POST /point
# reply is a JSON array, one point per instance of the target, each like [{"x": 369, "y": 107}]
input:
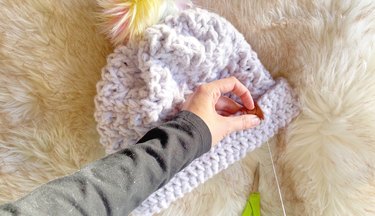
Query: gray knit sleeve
[{"x": 118, "y": 183}]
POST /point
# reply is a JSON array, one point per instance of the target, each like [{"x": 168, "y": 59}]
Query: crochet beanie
[{"x": 144, "y": 83}]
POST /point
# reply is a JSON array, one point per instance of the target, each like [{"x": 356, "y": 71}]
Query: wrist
[{"x": 200, "y": 126}]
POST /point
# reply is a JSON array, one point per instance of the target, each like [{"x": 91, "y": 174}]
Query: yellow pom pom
[{"x": 124, "y": 20}]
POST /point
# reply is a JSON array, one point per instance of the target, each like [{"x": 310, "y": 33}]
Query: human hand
[{"x": 214, "y": 109}]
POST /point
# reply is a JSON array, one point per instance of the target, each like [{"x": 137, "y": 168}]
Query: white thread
[{"x": 277, "y": 180}]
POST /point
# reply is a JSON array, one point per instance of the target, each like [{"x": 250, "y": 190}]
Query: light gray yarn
[{"x": 144, "y": 82}]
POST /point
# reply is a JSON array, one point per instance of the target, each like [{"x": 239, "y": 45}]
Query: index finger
[{"x": 232, "y": 84}]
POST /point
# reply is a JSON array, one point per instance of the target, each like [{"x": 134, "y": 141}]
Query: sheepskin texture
[
  {"x": 145, "y": 82},
  {"x": 50, "y": 61}
]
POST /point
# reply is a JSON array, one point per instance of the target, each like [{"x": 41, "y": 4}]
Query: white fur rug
[{"x": 50, "y": 60}]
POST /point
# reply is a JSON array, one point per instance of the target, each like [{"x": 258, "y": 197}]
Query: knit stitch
[{"x": 144, "y": 83}]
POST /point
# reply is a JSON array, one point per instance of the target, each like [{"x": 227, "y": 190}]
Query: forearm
[{"x": 118, "y": 183}]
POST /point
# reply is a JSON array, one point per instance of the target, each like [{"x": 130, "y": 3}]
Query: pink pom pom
[{"x": 124, "y": 20}]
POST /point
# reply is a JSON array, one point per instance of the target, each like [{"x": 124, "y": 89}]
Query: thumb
[{"x": 242, "y": 122}]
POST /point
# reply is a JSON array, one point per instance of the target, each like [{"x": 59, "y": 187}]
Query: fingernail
[{"x": 255, "y": 120}]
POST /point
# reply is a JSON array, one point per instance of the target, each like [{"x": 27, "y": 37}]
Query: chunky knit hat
[{"x": 145, "y": 81}]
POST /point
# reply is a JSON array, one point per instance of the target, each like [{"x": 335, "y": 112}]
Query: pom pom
[{"x": 124, "y": 20}]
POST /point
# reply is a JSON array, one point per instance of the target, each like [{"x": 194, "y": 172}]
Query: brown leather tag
[{"x": 256, "y": 111}]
